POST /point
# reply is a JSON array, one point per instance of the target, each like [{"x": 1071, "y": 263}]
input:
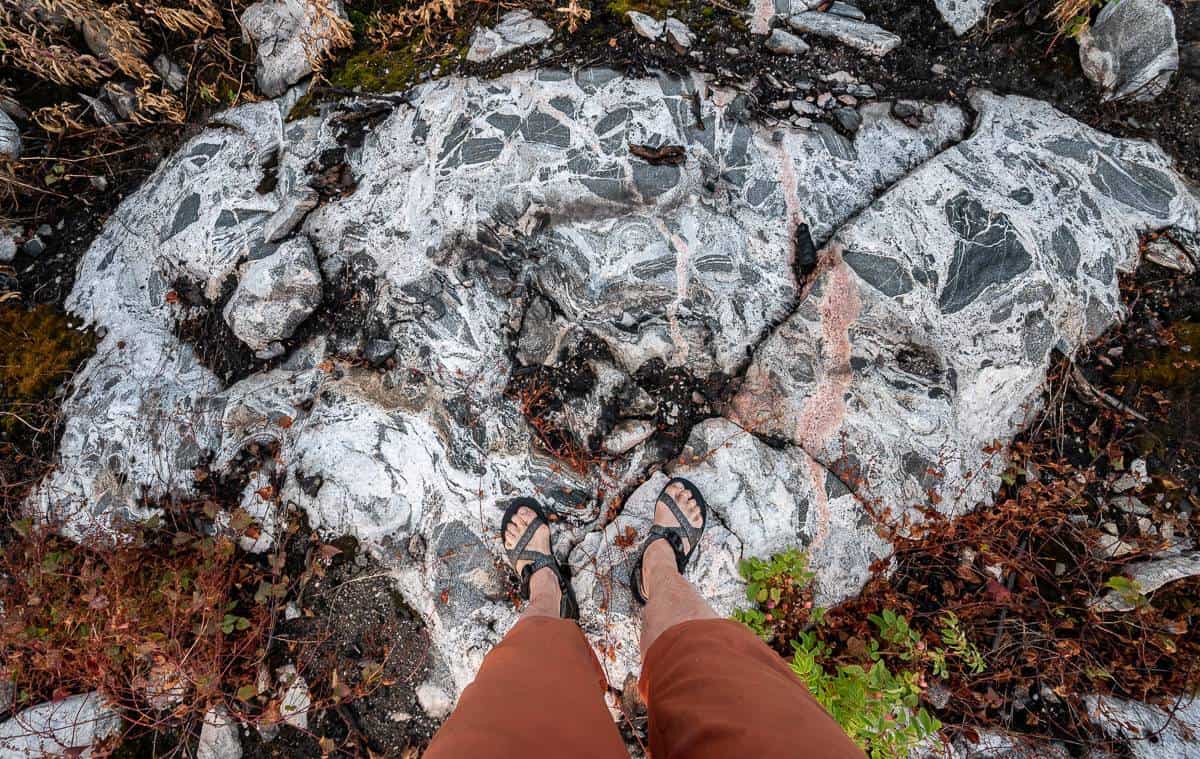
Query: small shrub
[{"x": 779, "y": 589}]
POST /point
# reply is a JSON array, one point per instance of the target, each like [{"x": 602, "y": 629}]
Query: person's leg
[
  {"x": 714, "y": 689},
  {"x": 540, "y": 691}
]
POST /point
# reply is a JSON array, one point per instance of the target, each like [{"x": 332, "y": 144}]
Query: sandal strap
[
  {"x": 674, "y": 539},
  {"x": 685, "y": 528},
  {"x": 518, "y": 552}
]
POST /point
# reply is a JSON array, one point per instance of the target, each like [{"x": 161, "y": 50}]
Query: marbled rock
[
  {"x": 928, "y": 328},
  {"x": 860, "y": 35},
  {"x": 501, "y": 229},
  {"x": 762, "y": 501},
  {"x": 274, "y": 294},
  {"x": 961, "y": 15},
  {"x": 70, "y": 727},
  {"x": 517, "y": 29},
  {"x": 1130, "y": 51},
  {"x": 1150, "y": 732},
  {"x": 289, "y": 35}
]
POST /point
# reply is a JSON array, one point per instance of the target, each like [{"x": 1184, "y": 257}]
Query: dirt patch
[{"x": 353, "y": 639}]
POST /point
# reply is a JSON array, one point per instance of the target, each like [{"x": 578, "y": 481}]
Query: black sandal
[
  {"x": 568, "y": 608},
  {"x": 673, "y": 535}
]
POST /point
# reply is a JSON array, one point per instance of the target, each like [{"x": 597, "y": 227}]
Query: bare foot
[
  {"x": 544, "y": 592},
  {"x": 659, "y": 557}
]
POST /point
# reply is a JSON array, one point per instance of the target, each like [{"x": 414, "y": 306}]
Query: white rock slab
[
  {"x": 517, "y": 29},
  {"x": 1130, "y": 51},
  {"x": 70, "y": 727}
]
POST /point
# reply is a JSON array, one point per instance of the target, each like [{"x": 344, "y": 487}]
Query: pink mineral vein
[{"x": 763, "y": 11}]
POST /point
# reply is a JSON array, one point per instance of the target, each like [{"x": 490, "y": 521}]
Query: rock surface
[
  {"x": 860, "y": 35},
  {"x": 10, "y": 137},
  {"x": 1151, "y": 732},
  {"x": 517, "y": 29},
  {"x": 1149, "y": 576},
  {"x": 785, "y": 43},
  {"x": 289, "y": 35},
  {"x": 274, "y": 294},
  {"x": 961, "y": 15},
  {"x": 219, "y": 737},
  {"x": 70, "y": 727},
  {"x": 1130, "y": 51},
  {"x": 505, "y": 228}
]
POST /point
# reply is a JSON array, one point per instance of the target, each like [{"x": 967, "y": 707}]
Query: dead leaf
[{"x": 672, "y": 155}]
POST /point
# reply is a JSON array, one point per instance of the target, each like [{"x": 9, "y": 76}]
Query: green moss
[
  {"x": 381, "y": 70},
  {"x": 39, "y": 350},
  {"x": 656, "y": 8},
  {"x": 1175, "y": 368}
]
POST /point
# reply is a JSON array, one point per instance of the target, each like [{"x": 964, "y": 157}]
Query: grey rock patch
[
  {"x": 1150, "y": 576},
  {"x": 782, "y": 42},
  {"x": 517, "y": 29},
  {"x": 1151, "y": 732},
  {"x": 627, "y": 435},
  {"x": 838, "y": 8},
  {"x": 1164, "y": 252},
  {"x": 1130, "y": 51},
  {"x": 170, "y": 72},
  {"x": 219, "y": 737},
  {"x": 961, "y": 15},
  {"x": 647, "y": 26},
  {"x": 10, "y": 137},
  {"x": 275, "y": 294},
  {"x": 861, "y": 36},
  {"x": 292, "y": 211},
  {"x": 70, "y": 727},
  {"x": 678, "y": 33},
  {"x": 848, "y": 119},
  {"x": 288, "y": 35}
]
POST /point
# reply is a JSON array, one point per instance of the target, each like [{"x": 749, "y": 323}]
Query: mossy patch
[
  {"x": 39, "y": 350},
  {"x": 656, "y": 8}
]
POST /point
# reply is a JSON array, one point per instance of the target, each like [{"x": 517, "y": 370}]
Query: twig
[{"x": 1092, "y": 394}]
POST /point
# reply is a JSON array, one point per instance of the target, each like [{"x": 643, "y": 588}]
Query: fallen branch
[{"x": 1091, "y": 394}]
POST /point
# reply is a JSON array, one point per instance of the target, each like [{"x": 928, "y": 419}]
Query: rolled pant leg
[
  {"x": 714, "y": 691},
  {"x": 540, "y": 692}
]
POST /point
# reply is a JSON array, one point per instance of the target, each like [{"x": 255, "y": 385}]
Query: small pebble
[{"x": 786, "y": 43}]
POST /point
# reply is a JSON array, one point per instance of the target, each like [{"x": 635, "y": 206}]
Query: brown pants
[{"x": 713, "y": 690}]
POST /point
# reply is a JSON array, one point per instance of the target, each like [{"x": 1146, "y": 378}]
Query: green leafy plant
[
  {"x": 1129, "y": 591},
  {"x": 878, "y": 708},
  {"x": 956, "y": 640},
  {"x": 771, "y": 582}
]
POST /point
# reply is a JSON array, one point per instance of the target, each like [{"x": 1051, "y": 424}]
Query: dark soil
[{"x": 354, "y": 635}]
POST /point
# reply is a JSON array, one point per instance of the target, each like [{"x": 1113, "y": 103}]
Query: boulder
[
  {"x": 927, "y": 330},
  {"x": 512, "y": 229},
  {"x": 275, "y": 294},
  {"x": 1130, "y": 51},
  {"x": 289, "y": 36},
  {"x": 517, "y": 29},
  {"x": 864, "y": 37},
  {"x": 70, "y": 727}
]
